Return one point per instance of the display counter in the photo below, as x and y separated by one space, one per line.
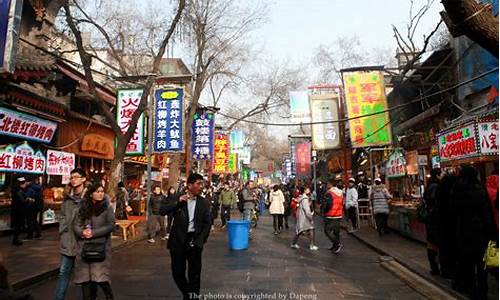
402 218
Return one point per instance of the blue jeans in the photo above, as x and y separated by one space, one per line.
65 270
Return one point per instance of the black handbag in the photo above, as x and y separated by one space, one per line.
93 251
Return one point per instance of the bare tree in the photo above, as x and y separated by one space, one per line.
406 39
345 52
217 31
475 20
75 21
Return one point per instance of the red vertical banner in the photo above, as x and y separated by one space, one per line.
221 153
303 157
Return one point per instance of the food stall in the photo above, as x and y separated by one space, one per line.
403 207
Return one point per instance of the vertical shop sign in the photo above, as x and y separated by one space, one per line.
303 159
488 137
236 140
202 147
168 120
365 94
233 163
221 153
128 102
60 163
299 106
324 108
396 165
22 158
10 21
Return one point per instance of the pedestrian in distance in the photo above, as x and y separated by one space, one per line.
35 209
73 196
277 208
249 200
154 218
18 209
380 196
121 202
430 199
214 204
227 199
305 219
190 231
351 204
333 212
93 225
171 194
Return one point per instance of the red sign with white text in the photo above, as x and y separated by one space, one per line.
303 157
25 126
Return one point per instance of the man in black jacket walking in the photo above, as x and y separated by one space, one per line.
190 230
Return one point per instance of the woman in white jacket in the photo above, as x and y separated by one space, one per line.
277 208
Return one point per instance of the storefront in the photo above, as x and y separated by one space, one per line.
22 153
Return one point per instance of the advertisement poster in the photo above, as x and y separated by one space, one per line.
396 165
60 163
365 95
303 159
128 101
299 107
22 158
168 120
488 137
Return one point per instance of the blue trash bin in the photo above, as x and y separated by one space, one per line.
237 234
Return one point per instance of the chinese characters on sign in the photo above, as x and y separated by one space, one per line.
303 159
325 108
21 159
365 94
396 165
203 136
488 136
236 141
457 143
21 125
128 102
60 163
168 120
221 153
233 163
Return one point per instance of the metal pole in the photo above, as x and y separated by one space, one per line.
371 164
150 150
314 175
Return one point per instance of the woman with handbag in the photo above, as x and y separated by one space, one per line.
93 225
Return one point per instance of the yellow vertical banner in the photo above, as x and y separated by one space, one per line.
365 95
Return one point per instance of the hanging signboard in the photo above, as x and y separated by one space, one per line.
25 126
396 165
221 153
202 147
324 108
60 163
299 107
233 163
458 143
303 159
10 21
128 101
365 94
168 120
236 141
22 159
488 137
246 156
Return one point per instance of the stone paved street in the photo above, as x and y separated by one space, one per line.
269 268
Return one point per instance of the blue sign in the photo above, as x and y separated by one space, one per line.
168 118
202 145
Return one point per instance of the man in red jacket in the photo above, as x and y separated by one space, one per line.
334 205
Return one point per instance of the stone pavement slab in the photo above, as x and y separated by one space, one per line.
269 268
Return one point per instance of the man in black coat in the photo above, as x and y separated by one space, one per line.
190 230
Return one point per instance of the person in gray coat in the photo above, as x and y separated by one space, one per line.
94 222
379 195
305 219
73 196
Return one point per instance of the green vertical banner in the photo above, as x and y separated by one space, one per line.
233 163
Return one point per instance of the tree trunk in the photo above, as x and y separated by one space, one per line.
174 170
115 174
478 24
